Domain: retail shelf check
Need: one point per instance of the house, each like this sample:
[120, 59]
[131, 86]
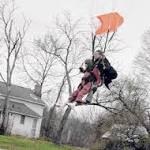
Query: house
[25, 111]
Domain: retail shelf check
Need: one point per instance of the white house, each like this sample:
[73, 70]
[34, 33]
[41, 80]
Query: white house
[25, 111]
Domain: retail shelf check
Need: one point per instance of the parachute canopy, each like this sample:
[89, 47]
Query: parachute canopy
[109, 22]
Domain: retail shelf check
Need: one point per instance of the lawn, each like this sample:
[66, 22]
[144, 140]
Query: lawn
[19, 143]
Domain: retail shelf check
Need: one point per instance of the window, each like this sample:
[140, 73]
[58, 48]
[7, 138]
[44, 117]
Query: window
[22, 119]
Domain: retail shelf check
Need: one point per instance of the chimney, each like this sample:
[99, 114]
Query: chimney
[38, 90]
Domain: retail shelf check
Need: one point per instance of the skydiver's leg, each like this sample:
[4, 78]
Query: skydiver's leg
[75, 93]
[85, 90]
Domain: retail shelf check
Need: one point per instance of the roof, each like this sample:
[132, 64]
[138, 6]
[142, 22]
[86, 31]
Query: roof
[21, 93]
[19, 108]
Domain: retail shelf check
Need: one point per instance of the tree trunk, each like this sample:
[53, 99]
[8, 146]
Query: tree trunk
[3, 127]
[67, 112]
[51, 111]
[49, 124]
[68, 80]
[62, 125]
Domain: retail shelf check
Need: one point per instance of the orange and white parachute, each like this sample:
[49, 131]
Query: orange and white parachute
[109, 23]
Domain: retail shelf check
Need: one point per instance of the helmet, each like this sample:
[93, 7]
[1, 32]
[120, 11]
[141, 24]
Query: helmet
[88, 61]
[99, 52]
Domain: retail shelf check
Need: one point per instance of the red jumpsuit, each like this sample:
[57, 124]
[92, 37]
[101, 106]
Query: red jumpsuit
[85, 85]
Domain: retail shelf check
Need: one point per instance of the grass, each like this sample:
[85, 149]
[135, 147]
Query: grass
[19, 143]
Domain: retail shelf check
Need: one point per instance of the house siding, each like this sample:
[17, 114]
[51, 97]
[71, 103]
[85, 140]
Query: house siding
[16, 128]
[26, 129]
[39, 110]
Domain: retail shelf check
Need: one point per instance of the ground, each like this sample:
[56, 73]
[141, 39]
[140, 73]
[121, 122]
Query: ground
[19, 143]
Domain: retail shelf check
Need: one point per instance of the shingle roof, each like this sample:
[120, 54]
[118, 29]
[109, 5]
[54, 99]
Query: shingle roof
[20, 108]
[21, 92]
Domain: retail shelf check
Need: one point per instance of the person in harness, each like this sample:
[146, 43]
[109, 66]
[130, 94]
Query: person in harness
[96, 72]
[108, 73]
[90, 76]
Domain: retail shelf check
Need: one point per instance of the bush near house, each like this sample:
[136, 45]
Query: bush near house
[113, 144]
[19, 143]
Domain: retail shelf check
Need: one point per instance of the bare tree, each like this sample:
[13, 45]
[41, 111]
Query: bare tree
[129, 98]
[66, 48]
[12, 41]
[65, 43]
[41, 68]
[132, 96]
[49, 123]
[38, 66]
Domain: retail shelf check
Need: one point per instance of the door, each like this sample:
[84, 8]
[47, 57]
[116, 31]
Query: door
[34, 124]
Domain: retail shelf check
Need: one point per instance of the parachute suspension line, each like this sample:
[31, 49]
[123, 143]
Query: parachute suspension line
[108, 40]
[93, 43]
[107, 36]
[111, 37]
[106, 43]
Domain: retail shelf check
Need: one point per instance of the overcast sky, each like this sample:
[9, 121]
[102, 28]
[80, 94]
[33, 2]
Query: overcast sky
[135, 13]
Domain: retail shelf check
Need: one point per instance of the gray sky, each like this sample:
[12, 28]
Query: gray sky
[135, 13]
